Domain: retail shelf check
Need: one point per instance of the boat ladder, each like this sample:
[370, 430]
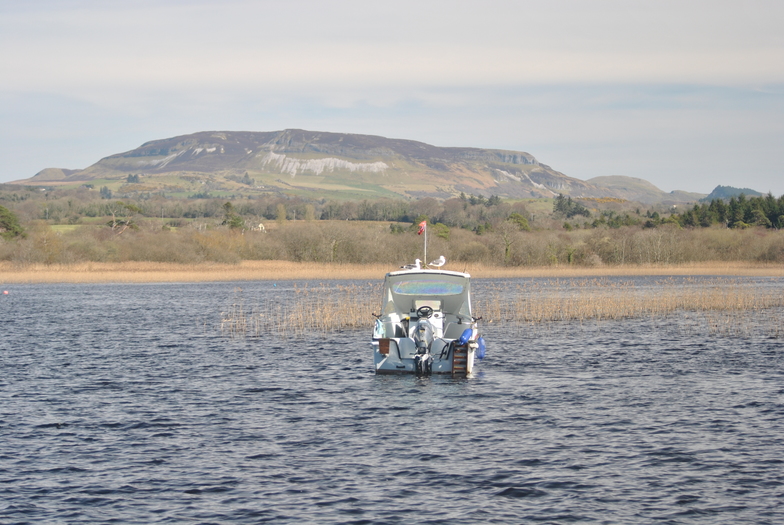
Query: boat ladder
[460, 361]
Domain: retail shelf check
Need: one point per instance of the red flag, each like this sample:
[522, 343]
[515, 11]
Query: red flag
[422, 226]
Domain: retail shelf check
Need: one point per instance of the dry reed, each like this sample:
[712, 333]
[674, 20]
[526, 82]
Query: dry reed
[145, 272]
[728, 306]
[142, 272]
[605, 300]
[314, 309]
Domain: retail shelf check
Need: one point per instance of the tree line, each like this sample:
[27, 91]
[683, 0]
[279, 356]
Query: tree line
[78, 206]
[737, 212]
[64, 226]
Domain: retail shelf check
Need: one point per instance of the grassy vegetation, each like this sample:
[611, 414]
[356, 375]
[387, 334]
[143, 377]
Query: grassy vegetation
[63, 228]
[194, 241]
[78, 236]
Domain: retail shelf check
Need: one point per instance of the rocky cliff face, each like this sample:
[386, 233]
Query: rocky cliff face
[311, 162]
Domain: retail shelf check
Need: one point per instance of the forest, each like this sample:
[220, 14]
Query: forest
[62, 226]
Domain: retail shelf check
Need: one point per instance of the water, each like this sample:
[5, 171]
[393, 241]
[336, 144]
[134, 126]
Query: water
[124, 404]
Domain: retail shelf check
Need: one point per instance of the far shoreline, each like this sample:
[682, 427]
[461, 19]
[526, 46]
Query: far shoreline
[151, 272]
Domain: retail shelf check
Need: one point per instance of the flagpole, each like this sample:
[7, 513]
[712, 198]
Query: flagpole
[425, 260]
[423, 229]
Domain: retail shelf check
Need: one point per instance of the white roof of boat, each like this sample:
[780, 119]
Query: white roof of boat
[429, 272]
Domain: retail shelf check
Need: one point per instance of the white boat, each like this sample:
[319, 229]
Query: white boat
[426, 326]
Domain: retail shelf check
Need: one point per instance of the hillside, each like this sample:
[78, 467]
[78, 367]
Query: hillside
[726, 192]
[333, 165]
[642, 191]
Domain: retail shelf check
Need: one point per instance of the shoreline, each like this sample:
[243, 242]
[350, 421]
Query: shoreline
[150, 272]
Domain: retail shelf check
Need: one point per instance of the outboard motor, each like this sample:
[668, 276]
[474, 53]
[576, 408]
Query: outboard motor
[423, 364]
[423, 338]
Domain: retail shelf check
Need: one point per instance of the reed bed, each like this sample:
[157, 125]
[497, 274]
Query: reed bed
[145, 272]
[605, 300]
[726, 306]
[314, 309]
[718, 268]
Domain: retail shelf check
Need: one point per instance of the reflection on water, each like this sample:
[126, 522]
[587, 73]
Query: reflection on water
[124, 403]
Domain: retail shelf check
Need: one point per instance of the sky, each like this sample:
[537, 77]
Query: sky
[685, 94]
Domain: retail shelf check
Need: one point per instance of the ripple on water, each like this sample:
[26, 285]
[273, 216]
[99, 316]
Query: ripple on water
[119, 403]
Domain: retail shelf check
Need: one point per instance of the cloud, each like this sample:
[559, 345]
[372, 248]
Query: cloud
[151, 46]
[647, 89]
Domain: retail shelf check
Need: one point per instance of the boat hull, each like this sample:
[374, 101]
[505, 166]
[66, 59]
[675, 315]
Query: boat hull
[399, 356]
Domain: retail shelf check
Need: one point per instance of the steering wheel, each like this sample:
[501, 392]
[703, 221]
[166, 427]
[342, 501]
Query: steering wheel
[424, 311]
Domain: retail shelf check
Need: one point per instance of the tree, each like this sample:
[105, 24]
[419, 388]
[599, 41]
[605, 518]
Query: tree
[508, 232]
[310, 212]
[569, 208]
[9, 224]
[231, 218]
[280, 213]
[760, 219]
[125, 221]
[520, 221]
[441, 230]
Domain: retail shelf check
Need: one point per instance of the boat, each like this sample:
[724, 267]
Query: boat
[426, 326]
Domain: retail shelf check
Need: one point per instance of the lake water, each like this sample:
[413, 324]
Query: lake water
[125, 404]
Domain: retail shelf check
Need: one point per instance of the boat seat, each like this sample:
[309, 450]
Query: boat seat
[455, 330]
[406, 347]
[392, 329]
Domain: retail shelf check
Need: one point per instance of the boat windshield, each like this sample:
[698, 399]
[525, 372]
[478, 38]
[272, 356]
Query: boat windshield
[427, 287]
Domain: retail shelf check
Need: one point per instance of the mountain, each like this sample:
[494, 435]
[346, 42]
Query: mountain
[329, 165]
[726, 192]
[640, 190]
[53, 174]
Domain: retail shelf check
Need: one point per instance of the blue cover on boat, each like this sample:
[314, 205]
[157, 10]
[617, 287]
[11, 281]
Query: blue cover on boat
[466, 336]
[480, 352]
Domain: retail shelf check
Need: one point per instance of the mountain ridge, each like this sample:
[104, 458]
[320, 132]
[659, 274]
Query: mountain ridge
[301, 162]
[643, 191]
